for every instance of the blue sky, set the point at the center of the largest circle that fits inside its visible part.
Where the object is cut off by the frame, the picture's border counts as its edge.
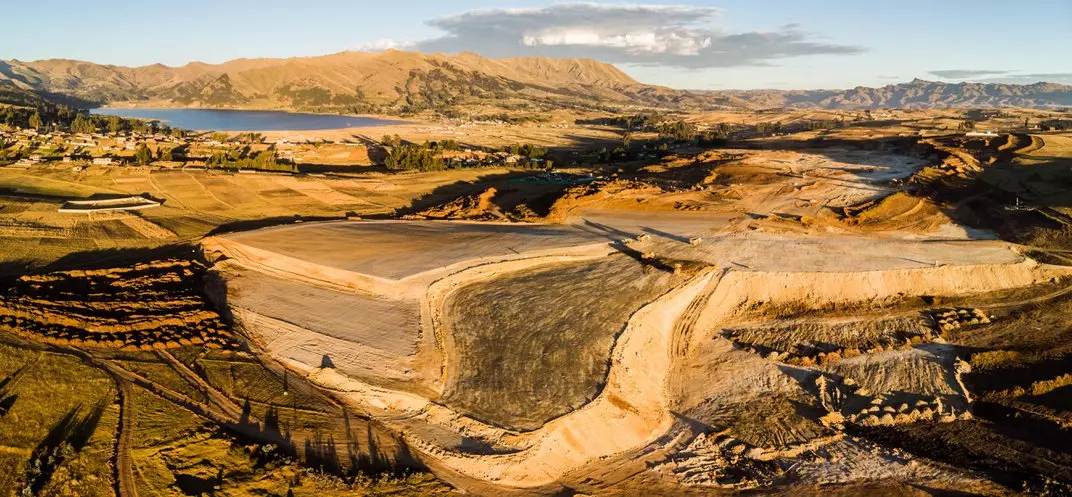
(704, 44)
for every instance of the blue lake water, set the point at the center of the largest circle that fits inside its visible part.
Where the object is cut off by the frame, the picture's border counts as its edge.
(245, 120)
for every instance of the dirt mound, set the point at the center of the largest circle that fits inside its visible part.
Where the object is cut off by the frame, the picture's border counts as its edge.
(811, 341)
(953, 161)
(632, 194)
(147, 306)
(476, 207)
(899, 211)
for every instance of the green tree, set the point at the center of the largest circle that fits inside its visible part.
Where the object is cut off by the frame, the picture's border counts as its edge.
(166, 155)
(768, 128)
(83, 124)
(142, 155)
(115, 124)
(35, 120)
(391, 141)
(217, 159)
(410, 157)
(678, 130)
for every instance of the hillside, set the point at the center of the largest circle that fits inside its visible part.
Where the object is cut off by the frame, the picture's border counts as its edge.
(346, 81)
(409, 82)
(917, 94)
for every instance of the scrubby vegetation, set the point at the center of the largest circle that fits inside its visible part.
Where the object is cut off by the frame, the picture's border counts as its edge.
(994, 359)
(266, 160)
(428, 156)
(635, 122)
(1055, 125)
(768, 128)
(406, 157)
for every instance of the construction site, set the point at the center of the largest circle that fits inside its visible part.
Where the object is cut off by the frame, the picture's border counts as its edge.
(838, 311)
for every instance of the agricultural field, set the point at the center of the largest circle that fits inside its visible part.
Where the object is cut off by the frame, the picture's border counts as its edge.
(195, 203)
(125, 390)
(60, 419)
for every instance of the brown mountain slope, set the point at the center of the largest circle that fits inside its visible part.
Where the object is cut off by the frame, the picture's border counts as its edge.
(393, 81)
(342, 80)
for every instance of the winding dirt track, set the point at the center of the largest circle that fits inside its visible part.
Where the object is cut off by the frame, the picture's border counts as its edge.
(221, 401)
(124, 463)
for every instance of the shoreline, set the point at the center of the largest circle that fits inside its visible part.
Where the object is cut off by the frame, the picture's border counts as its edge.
(376, 120)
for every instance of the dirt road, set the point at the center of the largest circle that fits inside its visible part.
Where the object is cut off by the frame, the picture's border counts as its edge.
(124, 463)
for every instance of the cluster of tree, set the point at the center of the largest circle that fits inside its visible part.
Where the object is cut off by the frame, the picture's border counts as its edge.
(426, 156)
(116, 124)
(824, 124)
(768, 128)
(83, 124)
(1055, 124)
(248, 138)
(37, 114)
(637, 122)
(526, 150)
(89, 124)
(410, 157)
(966, 125)
(265, 160)
(443, 146)
(511, 119)
(615, 155)
(144, 155)
(679, 130)
(713, 138)
(391, 140)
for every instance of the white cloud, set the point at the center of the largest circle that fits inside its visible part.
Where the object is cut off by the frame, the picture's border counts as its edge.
(384, 44)
(652, 35)
(1002, 76)
(966, 73)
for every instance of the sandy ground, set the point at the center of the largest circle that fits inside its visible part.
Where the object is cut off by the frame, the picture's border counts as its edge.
(768, 271)
(399, 249)
(703, 406)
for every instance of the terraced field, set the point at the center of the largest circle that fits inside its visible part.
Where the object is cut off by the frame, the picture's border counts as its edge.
(149, 306)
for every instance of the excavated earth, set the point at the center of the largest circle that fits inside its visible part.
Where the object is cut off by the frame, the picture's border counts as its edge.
(631, 348)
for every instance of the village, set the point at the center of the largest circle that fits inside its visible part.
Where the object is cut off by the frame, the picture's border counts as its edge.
(243, 152)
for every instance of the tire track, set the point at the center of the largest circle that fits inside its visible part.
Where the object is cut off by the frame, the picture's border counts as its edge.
(682, 332)
(124, 460)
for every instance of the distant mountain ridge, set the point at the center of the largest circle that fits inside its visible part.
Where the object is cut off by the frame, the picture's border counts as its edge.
(393, 81)
(916, 94)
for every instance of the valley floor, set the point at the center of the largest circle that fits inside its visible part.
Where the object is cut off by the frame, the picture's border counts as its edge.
(795, 316)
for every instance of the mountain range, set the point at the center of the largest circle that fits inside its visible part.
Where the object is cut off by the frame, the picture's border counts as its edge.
(400, 82)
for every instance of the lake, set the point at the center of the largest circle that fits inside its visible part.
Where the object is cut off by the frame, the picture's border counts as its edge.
(245, 120)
